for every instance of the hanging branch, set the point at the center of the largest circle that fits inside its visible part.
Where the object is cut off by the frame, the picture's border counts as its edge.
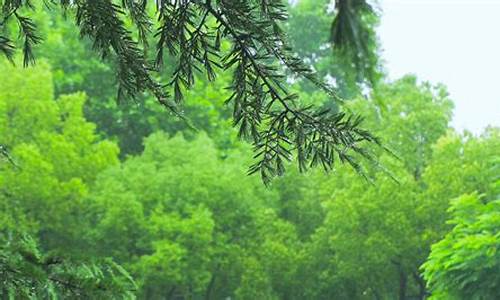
(191, 31)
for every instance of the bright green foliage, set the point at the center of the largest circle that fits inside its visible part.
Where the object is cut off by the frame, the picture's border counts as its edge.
(372, 238)
(375, 237)
(270, 265)
(461, 164)
(55, 149)
(176, 218)
(466, 263)
(56, 155)
(181, 254)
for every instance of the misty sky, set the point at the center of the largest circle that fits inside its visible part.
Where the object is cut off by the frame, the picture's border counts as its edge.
(456, 43)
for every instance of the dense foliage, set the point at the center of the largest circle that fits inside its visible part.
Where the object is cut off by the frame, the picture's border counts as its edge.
(103, 199)
(465, 263)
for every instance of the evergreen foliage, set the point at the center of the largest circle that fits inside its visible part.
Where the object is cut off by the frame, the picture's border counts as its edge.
(336, 62)
(354, 40)
(26, 273)
(266, 112)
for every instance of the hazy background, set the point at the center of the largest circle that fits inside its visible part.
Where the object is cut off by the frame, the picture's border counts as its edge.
(453, 42)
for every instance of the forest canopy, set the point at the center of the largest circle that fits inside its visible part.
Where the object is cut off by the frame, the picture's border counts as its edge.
(107, 199)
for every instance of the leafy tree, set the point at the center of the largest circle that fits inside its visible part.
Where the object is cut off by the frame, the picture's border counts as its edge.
(461, 164)
(56, 150)
(182, 255)
(55, 157)
(410, 117)
(175, 219)
(373, 239)
(465, 263)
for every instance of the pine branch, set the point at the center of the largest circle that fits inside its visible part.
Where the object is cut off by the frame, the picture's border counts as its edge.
(5, 153)
(265, 112)
(27, 273)
(353, 37)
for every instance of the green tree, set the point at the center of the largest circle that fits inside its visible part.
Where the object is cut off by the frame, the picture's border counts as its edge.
(373, 239)
(465, 263)
(56, 156)
(57, 152)
(182, 253)
(175, 218)
(461, 164)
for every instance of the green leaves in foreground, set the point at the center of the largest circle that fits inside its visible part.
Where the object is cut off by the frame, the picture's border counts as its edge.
(319, 138)
(466, 263)
(27, 273)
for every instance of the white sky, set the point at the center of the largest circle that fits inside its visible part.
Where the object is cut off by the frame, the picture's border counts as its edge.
(456, 43)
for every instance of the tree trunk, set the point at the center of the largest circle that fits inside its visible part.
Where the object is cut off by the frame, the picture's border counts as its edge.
(210, 286)
(421, 285)
(170, 293)
(402, 285)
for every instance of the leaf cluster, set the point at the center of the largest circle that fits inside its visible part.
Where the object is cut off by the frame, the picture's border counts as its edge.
(465, 263)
